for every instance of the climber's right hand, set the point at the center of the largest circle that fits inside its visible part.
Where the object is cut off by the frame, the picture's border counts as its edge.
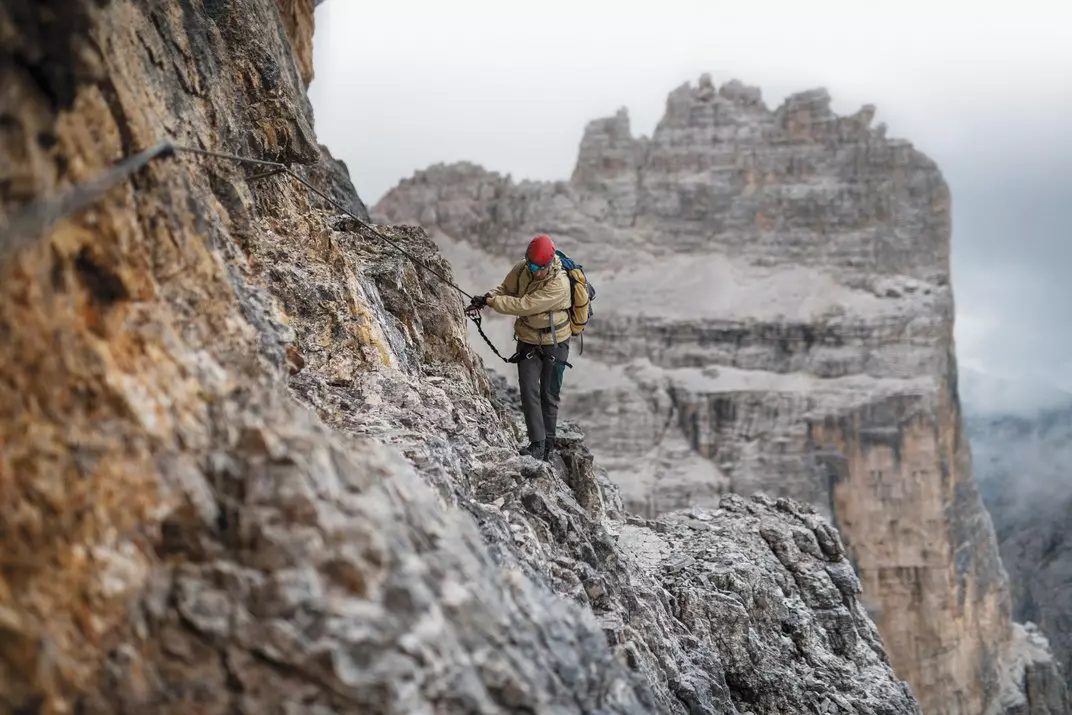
(475, 305)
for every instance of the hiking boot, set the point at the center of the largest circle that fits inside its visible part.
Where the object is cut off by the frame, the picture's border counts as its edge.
(535, 449)
(548, 449)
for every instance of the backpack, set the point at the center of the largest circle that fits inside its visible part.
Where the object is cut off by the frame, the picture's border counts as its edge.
(582, 293)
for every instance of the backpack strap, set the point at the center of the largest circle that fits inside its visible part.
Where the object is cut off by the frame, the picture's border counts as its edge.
(553, 328)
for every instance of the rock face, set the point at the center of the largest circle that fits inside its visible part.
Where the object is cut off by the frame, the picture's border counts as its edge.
(1022, 462)
(249, 463)
(773, 315)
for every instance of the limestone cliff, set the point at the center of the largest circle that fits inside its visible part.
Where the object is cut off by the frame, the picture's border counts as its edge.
(249, 463)
(774, 314)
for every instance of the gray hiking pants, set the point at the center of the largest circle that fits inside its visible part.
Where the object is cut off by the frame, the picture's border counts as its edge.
(539, 374)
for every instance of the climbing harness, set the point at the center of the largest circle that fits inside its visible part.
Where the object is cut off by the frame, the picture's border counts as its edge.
(538, 351)
(517, 356)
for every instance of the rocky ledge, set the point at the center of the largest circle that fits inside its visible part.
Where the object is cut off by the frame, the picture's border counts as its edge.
(521, 586)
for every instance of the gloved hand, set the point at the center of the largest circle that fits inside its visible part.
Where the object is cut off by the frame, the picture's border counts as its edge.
(475, 305)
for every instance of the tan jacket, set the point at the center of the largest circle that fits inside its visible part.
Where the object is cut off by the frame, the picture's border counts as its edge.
(532, 301)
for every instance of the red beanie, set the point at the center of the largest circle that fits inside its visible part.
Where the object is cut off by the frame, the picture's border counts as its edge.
(541, 250)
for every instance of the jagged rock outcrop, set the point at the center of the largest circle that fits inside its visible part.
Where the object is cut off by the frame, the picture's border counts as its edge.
(1021, 458)
(249, 463)
(774, 315)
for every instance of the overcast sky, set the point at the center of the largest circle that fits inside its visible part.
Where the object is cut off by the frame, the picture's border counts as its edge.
(983, 88)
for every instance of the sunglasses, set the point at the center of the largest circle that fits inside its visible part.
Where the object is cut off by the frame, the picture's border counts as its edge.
(534, 268)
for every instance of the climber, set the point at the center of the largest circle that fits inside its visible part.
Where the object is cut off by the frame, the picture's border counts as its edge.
(537, 291)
